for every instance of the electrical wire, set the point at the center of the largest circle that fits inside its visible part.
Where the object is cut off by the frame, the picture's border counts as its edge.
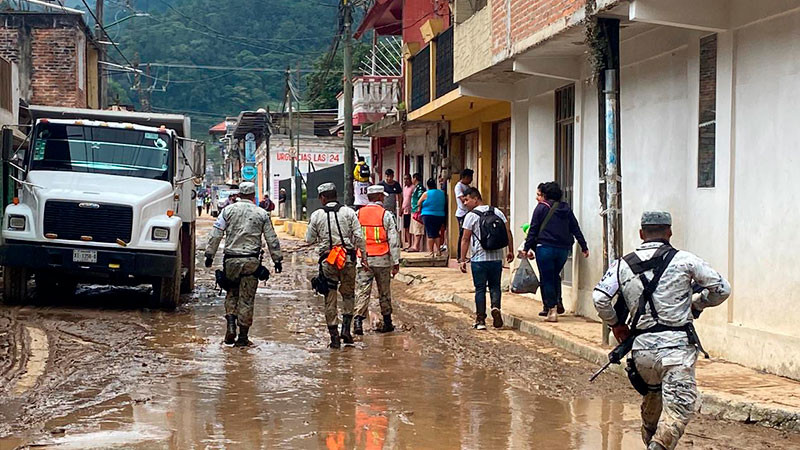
(97, 22)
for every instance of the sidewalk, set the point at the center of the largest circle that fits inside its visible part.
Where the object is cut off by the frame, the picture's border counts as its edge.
(728, 390)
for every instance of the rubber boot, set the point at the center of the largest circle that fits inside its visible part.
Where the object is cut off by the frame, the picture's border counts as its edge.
(358, 326)
(552, 315)
(334, 331)
(347, 338)
(388, 327)
(242, 341)
(230, 334)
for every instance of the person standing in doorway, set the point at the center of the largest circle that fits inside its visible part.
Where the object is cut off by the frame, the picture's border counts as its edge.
(553, 230)
(417, 228)
(383, 255)
(434, 211)
(394, 194)
(408, 189)
(486, 263)
(461, 210)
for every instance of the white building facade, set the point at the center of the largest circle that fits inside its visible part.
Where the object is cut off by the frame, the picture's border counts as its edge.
(709, 100)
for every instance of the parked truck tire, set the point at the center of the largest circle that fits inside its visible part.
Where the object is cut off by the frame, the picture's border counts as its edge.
(15, 284)
(167, 290)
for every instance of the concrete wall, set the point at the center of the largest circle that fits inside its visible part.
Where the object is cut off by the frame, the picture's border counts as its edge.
(739, 226)
(472, 52)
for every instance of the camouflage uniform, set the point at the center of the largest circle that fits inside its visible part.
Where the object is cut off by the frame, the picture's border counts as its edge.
(351, 238)
(242, 223)
(665, 357)
(380, 271)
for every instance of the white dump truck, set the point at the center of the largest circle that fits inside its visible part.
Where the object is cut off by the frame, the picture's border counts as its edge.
(103, 197)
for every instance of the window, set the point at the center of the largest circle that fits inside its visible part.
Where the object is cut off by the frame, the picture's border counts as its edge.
(5, 85)
(110, 151)
(707, 119)
(565, 155)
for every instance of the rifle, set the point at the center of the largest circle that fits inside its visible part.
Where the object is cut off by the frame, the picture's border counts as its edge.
(616, 355)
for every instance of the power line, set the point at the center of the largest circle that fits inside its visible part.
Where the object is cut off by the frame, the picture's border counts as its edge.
(231, 68)
(97, 22)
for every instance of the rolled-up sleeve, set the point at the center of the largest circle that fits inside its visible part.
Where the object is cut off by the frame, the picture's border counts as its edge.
(717, 288)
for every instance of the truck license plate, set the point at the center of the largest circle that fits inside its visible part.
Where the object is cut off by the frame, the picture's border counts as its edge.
(84, 256)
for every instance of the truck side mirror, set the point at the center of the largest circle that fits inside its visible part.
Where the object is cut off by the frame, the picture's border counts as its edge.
(199, 160)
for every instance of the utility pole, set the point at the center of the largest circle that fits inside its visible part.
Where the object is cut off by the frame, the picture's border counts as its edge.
(349, 153)
(292, 154)
(146, 105)
(609, 143)
(101, 56)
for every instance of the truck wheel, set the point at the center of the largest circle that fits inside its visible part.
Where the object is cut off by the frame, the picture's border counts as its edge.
(15, 284)
(167, 290)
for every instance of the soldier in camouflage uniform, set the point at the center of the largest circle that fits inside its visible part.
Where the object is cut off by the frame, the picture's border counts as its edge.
(242, 223)
(665, 347)
(383, 254)
(335, 224)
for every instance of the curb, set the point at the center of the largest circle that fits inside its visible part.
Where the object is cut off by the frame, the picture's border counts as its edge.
(710, 403)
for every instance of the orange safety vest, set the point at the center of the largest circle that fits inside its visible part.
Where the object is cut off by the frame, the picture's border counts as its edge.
(371, 219)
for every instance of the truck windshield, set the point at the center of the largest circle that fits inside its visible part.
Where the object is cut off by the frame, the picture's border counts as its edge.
(111, 151)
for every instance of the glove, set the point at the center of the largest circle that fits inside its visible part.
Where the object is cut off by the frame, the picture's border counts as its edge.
(278, 267)
(209, 261)
(621, 332)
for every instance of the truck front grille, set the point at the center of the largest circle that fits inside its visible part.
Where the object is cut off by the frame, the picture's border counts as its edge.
(102, 221)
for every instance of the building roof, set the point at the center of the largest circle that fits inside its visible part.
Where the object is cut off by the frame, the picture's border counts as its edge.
(385, 17)
(251, 122)
(219, 128)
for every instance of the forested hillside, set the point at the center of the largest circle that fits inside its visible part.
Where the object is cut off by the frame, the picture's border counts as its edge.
(179, 35)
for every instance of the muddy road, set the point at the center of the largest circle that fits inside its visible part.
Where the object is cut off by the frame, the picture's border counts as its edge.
(98, 370)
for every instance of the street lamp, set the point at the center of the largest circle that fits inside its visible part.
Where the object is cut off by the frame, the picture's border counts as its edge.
(126, 18)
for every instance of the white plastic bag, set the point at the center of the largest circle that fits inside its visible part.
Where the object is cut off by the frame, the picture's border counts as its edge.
(525, 281)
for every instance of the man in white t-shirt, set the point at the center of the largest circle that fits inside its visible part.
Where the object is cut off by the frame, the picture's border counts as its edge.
(461, 212)
(486, 265)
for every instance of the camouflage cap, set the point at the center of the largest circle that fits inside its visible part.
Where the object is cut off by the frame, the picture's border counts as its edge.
(247, 188)
(326, 187)
(656, 218)
(375, 189)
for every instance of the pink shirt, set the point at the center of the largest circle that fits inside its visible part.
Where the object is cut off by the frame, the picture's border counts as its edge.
(407, 191)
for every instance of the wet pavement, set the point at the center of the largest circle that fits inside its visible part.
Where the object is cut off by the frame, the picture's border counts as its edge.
(96, 370)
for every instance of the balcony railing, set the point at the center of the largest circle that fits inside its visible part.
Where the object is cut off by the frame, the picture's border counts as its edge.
(421, 78)
(444, 63)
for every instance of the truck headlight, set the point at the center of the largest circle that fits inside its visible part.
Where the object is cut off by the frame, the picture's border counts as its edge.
(16, 223)
(160, 234)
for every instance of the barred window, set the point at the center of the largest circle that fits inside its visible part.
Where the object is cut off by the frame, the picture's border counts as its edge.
(707, 126)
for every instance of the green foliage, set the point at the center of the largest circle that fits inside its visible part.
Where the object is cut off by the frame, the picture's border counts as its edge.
(272, 34)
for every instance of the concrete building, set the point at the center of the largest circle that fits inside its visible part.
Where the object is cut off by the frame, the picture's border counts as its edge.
(708, 100)
(56, 55)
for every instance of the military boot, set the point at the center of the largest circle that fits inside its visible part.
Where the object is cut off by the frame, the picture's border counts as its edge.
(230, 334)
(347, 338)
(243, 341)
(334, 331)
(358, 326)
(388, 327)
(655, 446)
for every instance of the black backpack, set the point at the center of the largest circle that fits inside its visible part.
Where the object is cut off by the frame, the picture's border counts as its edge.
(493, 230)
(364, 171)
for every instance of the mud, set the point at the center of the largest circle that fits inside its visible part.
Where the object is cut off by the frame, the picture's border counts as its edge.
(97, 370)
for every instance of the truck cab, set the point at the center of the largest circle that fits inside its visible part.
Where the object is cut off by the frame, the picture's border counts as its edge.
(104, 197)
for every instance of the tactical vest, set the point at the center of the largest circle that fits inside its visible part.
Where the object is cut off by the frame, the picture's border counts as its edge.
(371, 219)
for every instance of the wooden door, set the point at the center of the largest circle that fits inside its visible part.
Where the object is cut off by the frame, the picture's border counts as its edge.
(501, 166)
